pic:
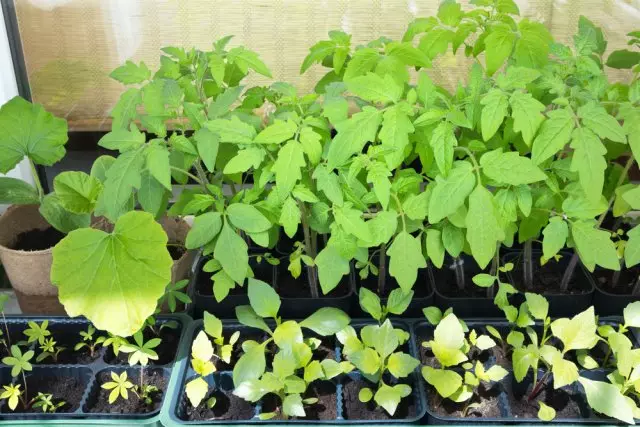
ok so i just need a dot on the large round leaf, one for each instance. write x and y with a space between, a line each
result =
114 279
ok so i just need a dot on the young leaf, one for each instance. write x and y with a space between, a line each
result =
231 251
326 321
247 218
77 191
405 259
555 236
287 168
483 229
495 109
499 45
130 73
526 112
594 246
451 192
398 301
374 88
332 266
510 168
352 135
443 140
607 399
370 303
554 134
445 382
546 413
137 244
280 131
263 298
588 160
205 228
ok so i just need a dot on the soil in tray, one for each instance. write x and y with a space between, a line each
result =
228 407
625 284
445 279
564 401
547 278
325 409
288 287
356 410
37 240
99 403
166 350
66 389
487 398
176 250
237 348
68 337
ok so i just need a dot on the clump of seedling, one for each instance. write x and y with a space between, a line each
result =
455 354
140 352
45 402
90 341
50 349
19 363
37 332
374 354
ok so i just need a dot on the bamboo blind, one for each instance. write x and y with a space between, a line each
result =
70 46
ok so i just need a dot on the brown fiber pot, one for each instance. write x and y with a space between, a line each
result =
29 271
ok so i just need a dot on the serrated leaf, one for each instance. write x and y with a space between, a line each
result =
555 236
526 113
496 105
588 160
499 45
554 134
510 168
451 192
352 135
405 259
77 191
130 73
280 131
483 229
594 246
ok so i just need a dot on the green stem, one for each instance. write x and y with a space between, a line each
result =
382 269
189 174
404 221
310 251
476 165
34 174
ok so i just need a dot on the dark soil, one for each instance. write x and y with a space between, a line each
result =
261 271
99 402
356 410
228 407
325 409
288 287
37 240
68 337
625 284
176 252
66 389
447 285
326 350
166 350
565 401
547 278
237 348
487 398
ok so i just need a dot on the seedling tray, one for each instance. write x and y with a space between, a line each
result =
66 329
174 409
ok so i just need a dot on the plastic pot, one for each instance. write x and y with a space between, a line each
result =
606 302
470 302
174 412
293 307
560 304
83 376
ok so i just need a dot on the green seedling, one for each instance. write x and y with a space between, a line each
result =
50 349
13 394
397 303
455 353
89 341
140 352
45 402
119 387
174 294
19 363
375 355
37 332
115 342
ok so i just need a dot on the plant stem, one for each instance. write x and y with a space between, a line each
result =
568 273
189 174
26 393
615 279
636 287
382 269
458 265
494 271
527 264
141 377
36 179
6 328
537 388
310 251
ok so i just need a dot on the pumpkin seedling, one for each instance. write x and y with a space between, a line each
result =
19 363
455 353
375 355
89 341
45 402
50 348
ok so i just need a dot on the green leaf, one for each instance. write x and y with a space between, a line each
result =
416 206
326 321
365 395
232 130
374 88
328 183
394 134
594 246
126 109
370 303
588 160
537 305
362 61
632 249
247 218
483 229
317 53
532 48
290 216
589 38
212 325
554 134
250 366
442 141
401 364
405 260
77 191
292 406
123 177
576 333
350 220
263 298
451 192
436 42
231 251
389 397
445 382
247 316
484 280
510 168
158 165
98 274
555 236
196 390
526 112
332 267
623 59
496 105
546 413
499 44
60 218
408 54
366 360
311 145
378 175
607 399
247 158
245 59
398 301
596 118
130 73
207 143
287 168
205 228
435 247
632 314
27 130
353 134
16 191
287 333
516 78
280 131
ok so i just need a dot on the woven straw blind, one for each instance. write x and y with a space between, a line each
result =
70 46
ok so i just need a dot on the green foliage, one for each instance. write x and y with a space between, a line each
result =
90 341
45 402
119 386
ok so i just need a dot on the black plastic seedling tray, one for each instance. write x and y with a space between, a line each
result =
65 330
174 410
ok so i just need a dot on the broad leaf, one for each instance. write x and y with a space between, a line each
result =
483 229
406 258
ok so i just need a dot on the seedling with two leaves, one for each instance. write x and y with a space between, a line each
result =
295 351
202 354
374 355
456 354
397 303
